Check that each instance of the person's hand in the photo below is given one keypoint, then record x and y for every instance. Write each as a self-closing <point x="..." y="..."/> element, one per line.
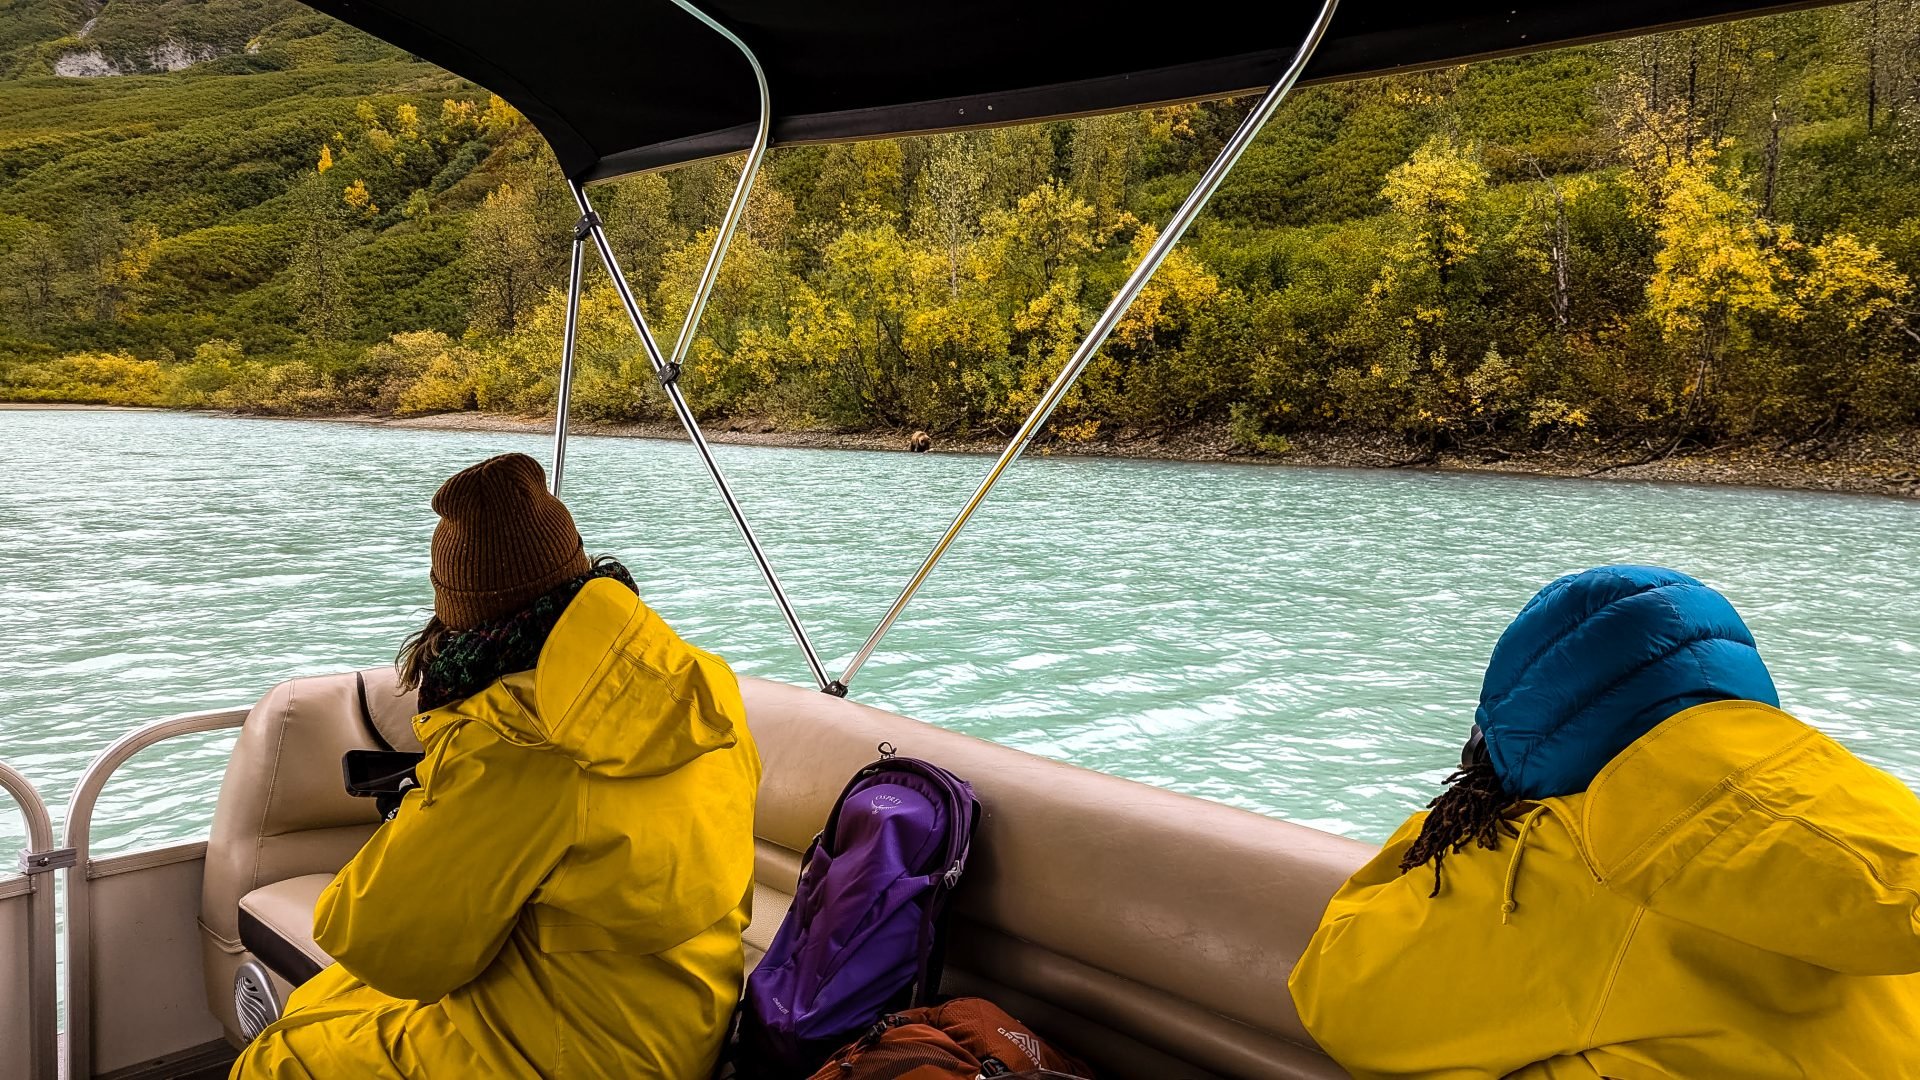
<point x="389" y="801"/>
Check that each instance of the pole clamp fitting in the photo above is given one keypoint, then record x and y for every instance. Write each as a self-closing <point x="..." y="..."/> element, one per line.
<point x="588" y="222"/>
<point x="836" y="688"/>
<point x="45" y="862"/>
<point x="670" y="374"/>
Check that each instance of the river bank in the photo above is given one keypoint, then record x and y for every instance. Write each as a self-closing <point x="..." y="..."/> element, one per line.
<point x="1867" y="465"/>
<point x="1885" y="464"/>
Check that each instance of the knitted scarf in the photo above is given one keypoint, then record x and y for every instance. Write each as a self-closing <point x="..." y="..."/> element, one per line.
<point x="471" y="660"/>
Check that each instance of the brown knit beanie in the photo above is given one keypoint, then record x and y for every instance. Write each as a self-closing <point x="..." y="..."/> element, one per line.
<point x="502" y="542"/>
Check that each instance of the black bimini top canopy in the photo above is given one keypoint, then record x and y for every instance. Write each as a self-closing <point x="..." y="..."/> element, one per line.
<point x="621" y="86"/>
<point x="628" y="85"/>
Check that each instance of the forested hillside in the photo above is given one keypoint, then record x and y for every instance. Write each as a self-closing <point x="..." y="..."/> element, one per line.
<point x="1705" y="237"/>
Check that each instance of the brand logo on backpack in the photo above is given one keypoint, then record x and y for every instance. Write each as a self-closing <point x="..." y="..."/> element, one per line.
<point x="1028" y="1045"/>
<point x="883" y="803"/>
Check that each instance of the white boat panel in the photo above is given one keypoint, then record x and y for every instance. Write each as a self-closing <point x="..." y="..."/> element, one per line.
<point x="146" y="970"/>
<point x="121" y="878"/>
<point x="16" y="1010"/>
<point x="136" y="861"/>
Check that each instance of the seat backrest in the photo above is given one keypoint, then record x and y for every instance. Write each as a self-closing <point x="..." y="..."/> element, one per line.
<point x="283" y="811"/>
<point x="1147" y="931"/>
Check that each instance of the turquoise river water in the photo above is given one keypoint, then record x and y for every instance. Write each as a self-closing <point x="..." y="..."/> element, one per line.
<point x="1299" y="642"/>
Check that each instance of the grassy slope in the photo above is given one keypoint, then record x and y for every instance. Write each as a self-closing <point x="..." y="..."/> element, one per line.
<point x="215" y="146"/>
<point x="207" y="155"/>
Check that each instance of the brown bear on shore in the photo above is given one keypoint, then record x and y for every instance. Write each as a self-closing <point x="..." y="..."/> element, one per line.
<point x="920" y="442"/>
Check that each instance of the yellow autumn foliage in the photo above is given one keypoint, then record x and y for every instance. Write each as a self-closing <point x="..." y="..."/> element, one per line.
<point x="359" y="198"/>
<point x="1717" y="262"/>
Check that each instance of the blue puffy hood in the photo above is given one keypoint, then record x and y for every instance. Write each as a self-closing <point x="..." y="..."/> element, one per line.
<point x="1596" y="660"/>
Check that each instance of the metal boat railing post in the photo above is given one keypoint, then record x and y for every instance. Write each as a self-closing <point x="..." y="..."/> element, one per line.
<point x="39" y="863"/>
<point x="77" y="838"/>
<point x="569" y="342"/>
<point x="1117" y="307"/>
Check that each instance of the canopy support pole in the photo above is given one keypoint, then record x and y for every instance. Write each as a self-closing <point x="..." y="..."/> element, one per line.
<point x="1116" y="308"/>
<point x="737" y="208"/>
<point x="570" y="342"/>
<point x="668" y="368"/>
<point x="669" y="375"/>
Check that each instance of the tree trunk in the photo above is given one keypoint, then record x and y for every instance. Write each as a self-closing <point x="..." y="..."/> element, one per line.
<point x="1562" y="294"/>
<point x="1773" y="164"/>
<point x="1693" y="94"/>
<point x="1559" y="250"/>
<point x="1873" y="61"/>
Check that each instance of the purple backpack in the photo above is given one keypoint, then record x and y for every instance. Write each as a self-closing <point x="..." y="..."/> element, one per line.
<point x="867" y="931"/>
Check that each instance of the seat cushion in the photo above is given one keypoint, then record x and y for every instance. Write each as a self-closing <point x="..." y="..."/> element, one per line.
<point x="769" y="911"/>
<point x="282" y="811"/>
<point x="1148" y="915"/>
<point x="276" y="926"/>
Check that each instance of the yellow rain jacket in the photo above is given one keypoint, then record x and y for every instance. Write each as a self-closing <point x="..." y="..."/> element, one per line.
<point x="564" y="894"/>
<point x="1735" y="896"/>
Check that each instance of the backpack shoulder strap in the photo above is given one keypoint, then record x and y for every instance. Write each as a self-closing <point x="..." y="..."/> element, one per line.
<point x="935" y="925"/>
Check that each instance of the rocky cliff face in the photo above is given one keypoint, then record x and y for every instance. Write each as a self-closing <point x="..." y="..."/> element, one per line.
<point x="166" y="56"/>
<point x="102" y="38"/>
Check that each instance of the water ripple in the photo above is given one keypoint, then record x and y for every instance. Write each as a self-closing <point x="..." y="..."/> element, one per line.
<point x="1302" y="643"/>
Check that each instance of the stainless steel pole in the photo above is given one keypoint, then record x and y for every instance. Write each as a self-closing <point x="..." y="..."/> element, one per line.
<point x="670" y="382"/>
<point x="570" y="342"/>
<point x="668" y="368"/>
<point x="1117" y="307"/>
<point x="737" y="209"/>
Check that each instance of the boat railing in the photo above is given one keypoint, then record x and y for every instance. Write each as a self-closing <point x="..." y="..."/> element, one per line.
<point x="35" y="881"/>
<point x="84" y="869"/>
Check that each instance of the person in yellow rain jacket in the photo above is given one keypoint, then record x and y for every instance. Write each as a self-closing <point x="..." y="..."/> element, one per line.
<point x="1644" y="869"/>
<point x="563" y="893"/>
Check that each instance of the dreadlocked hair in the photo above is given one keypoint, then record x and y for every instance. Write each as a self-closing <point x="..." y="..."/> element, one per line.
<point x="1473" y="810"/>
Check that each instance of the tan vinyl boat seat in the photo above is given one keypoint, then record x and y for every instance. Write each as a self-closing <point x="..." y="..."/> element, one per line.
<point x="1148" y="932"/>
<point x="769" y="911"/>
<point x="283" y="815"/>
<point x="276" y="925"/>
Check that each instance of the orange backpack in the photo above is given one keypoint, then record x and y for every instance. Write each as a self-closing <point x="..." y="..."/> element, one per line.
<point x="965" y="1039"/>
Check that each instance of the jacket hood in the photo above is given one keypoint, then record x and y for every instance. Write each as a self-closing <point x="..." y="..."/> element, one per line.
<point x="1596" y="660"/>
<point x="1740" y="819"/>
<point x="615" y="689"/>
